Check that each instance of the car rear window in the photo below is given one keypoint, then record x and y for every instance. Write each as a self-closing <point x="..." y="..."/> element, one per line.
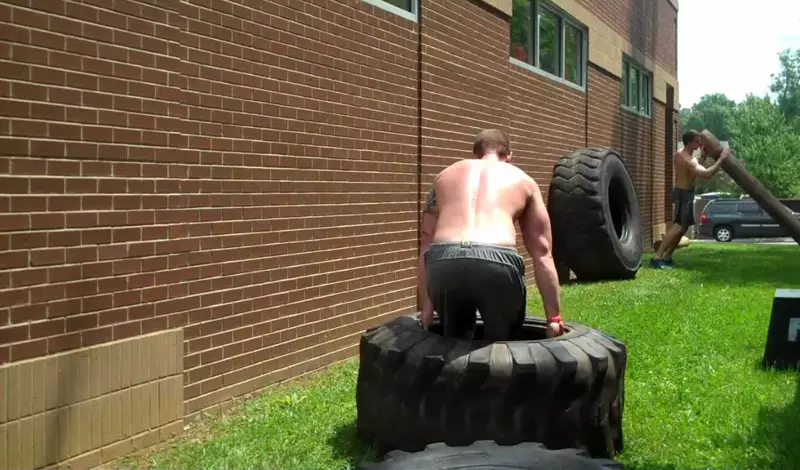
<point x="717" y="207"/>
<point x="749" y="207"/>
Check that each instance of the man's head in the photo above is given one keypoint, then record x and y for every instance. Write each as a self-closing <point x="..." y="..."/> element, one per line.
<point x="492" y="141"/>
<point x="691" y="140"/>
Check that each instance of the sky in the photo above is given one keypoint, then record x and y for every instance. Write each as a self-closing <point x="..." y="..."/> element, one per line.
<point x="732" y="29"/>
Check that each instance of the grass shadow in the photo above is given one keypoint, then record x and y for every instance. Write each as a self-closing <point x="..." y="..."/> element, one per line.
<point x="778" y="431"/>
<point x="346" y="445"/>
<point x="774" y="443"/>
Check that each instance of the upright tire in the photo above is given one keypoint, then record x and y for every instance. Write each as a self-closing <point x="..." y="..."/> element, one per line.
<point x="595" y="217"/>
<point x="485" y="455"/>
<point x="416" y="388"/>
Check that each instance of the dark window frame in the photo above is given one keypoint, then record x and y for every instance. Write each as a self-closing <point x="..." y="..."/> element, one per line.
<point x="533" y="52"/>
<point x="644" y="87"/>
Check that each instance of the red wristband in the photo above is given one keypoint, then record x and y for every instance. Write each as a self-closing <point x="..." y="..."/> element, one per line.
<point x="555" y="319"/>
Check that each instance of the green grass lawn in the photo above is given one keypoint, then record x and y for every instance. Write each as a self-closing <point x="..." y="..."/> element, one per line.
<point x="695" y="396"/>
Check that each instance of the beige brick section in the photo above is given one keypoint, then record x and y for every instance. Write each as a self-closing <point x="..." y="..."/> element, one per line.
<point x="86" y="407"/>
<point x="505" y="6"/>
<point x="606" y="47"/>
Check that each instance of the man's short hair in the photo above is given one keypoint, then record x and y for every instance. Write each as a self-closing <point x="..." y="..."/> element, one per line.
<point x="689" y="136"/>
<point x="492" y="140"/>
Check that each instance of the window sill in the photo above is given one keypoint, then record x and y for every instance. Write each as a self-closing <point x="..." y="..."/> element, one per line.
<point x="549" y="75"/>
<point x="636" y="112"/>
<point x="393" y="9"/>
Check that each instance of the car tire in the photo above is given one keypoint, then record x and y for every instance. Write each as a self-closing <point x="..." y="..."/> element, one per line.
<point x="416" y="388"/>
<point x="484" y="455"/>
<point x="595" y="216"/>
<point x="723" y="233"/>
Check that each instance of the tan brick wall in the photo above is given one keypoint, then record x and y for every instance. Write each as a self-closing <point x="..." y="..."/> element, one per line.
<point x="647" y="24"/>
<point x="248" y="172"/>
<point x="92" y="405"/>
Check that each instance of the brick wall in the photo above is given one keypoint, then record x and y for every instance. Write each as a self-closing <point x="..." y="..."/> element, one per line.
<point x="248" y="171"/>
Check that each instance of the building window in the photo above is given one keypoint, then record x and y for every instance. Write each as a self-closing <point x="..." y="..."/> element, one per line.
<point x="636" y="88"/>
<point x="546" y="39"/>
<point x="405" y="8"/>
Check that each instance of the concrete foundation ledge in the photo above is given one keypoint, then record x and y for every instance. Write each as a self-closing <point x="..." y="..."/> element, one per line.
<point x="87" y="407"/>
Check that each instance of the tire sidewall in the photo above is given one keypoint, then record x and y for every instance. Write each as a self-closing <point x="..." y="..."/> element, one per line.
<point x="628" y="249"/>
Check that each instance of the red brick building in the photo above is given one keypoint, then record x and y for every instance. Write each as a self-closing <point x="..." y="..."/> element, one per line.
<point x="201" y="198"/>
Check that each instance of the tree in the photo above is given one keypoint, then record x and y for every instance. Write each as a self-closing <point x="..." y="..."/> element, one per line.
<point x="712" y="112"/>
<point x="768" y="145"/>
<point x="786" y="84"/>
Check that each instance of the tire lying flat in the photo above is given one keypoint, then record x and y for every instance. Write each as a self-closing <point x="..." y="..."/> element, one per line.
<point x="416" y="388"/>
<point x="487" y="455"/>
<point x="595" y="216"/>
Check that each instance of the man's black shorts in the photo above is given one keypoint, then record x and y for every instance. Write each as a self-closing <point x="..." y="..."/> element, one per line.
<point x="684" y="207"/>
<point x="465" y="276"/>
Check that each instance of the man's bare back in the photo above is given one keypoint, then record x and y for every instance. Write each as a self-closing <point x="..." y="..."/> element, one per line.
<point x="469" y="260"/>
<point x="479" y="201"/>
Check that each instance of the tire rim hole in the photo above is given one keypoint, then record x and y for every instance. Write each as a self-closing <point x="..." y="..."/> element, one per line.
<point x="530" y="331"/>
<point x="620" y="207"/>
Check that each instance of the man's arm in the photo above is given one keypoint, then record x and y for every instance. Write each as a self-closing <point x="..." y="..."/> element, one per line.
<point x="536" y="234"/>
<point x="430" y="214"/>
<point x="698" y="170"/>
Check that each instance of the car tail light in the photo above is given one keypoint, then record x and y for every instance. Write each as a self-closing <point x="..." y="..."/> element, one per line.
<point x="703" y="219"/>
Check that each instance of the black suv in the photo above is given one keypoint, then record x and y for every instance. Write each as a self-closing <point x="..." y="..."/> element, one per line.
<point x="724" y="219"/>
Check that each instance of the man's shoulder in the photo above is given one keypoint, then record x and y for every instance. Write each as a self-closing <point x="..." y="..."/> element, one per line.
<point x="524" y="180"/>
<point x="682" y="156"/>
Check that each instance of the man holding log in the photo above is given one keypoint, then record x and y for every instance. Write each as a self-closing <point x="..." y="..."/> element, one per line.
<point x="687" y="169"/>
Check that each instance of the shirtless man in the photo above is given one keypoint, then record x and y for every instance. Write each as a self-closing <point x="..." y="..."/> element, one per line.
<point x="469" y="260"/>
<point x="687" y="169"/>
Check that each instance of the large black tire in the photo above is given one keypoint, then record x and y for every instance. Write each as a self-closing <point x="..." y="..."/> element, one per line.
<point x="595" y="217"/>
<point x="486" y="455"/>
<point x="416" y="388"/>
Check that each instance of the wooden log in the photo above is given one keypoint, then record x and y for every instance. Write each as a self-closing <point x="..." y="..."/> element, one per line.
<point x="734" y="168"/>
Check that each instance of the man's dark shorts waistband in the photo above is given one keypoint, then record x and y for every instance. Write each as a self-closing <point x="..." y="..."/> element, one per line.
<point x="505" y="254"/>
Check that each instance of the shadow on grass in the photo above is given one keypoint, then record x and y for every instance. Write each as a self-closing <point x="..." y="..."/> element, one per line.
<point x="774" y="443"/>
<point x="346" y="445"/>
<point x="778" y="430"/>
<point x="767" y="264"/>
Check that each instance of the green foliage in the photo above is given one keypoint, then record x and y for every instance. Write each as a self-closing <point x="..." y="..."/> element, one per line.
<point x="712" y="112"/>
<point x="764" y="134"/>
<point x="768" y="145"/>
<point x="786" y="84"/>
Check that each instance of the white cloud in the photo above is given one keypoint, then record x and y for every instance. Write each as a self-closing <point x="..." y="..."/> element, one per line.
<point x="742" y="41"/>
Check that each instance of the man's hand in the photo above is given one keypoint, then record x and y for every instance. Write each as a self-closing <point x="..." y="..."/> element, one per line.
<point x="724" y="154"/>
<point x="426" y="318"/>
<point x="555" y="326"/>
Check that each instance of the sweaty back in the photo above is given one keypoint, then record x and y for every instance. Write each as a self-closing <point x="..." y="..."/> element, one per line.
<point x="479" y="200"/>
